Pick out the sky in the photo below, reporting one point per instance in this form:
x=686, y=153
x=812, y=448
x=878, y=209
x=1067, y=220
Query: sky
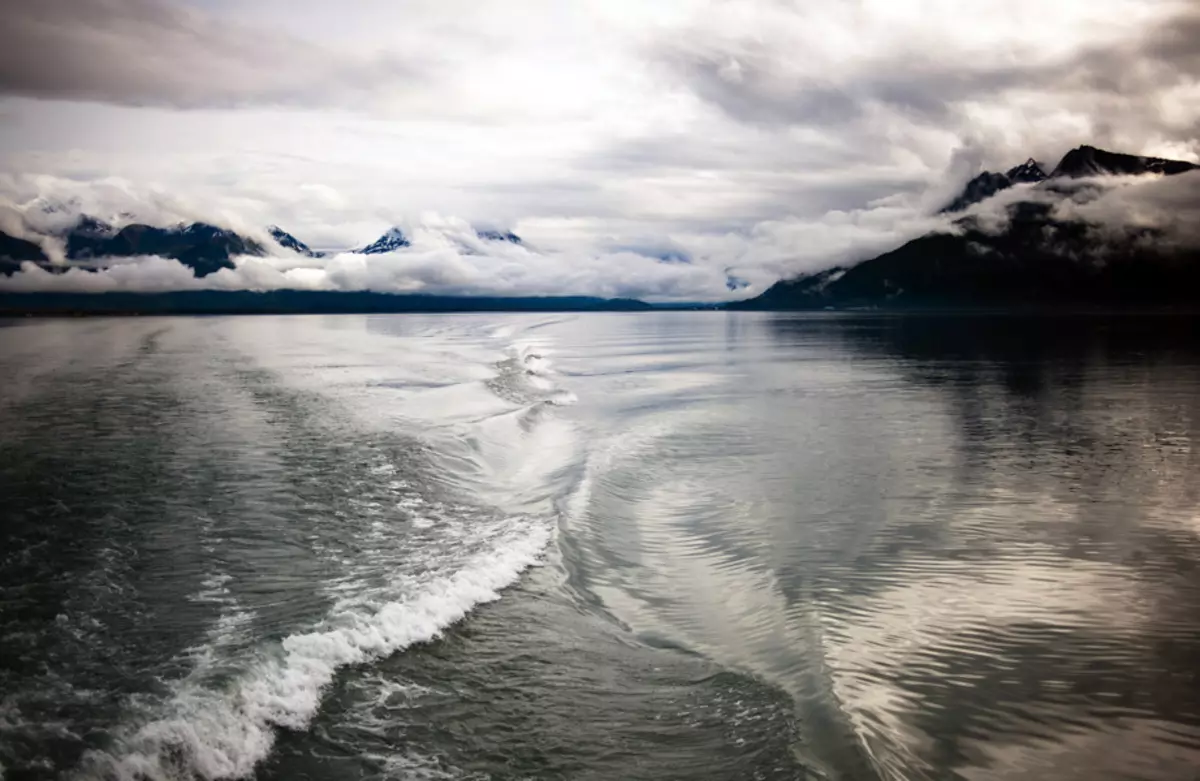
x=674, y=150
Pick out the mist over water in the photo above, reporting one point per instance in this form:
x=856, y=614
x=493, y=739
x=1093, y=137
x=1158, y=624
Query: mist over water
x=670, y=545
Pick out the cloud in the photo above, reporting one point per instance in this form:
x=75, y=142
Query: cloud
x=1023, y=78
x=447, y=256
x=138, y=275
x=755, y=139
x=438, y=271
x=1164, y=207
x=1148, y=210
x=151, y=52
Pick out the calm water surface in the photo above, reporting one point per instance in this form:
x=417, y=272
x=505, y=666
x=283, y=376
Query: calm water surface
x=620, y=546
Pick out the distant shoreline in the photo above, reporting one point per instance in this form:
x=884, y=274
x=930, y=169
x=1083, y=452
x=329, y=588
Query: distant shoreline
x=296, y=302
x=241, y=302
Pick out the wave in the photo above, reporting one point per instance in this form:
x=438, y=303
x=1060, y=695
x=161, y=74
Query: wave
x=213, y=734
x=417, y=567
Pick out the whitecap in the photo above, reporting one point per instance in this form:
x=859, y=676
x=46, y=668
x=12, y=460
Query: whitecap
x=211, y=734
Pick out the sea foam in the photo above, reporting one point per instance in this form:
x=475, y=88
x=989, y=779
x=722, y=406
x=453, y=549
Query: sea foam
x=211, y=734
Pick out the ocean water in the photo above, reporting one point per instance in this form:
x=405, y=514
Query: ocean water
x=677, y=545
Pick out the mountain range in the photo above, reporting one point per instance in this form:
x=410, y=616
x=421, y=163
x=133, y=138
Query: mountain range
x=395, y=239
x=391, y=241
x=1016, y=251
x=1036, y=259
x=205, y=248
x=288, y=241
x=202, y=247
x=988, y=184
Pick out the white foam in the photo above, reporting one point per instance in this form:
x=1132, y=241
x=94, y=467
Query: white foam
x=562, y=398
x=211, y=735
x=421, y=522
x=501, y=438
x=414, y=767
x=390, y=693
x=536, y=363
x=213, y=589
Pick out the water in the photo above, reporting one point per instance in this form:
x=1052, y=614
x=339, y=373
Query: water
x=645, y=546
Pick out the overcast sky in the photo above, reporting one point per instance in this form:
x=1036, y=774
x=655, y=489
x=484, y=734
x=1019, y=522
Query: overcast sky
x=755, y=138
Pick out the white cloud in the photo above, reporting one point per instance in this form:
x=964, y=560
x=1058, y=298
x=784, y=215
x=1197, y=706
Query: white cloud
x=154, y=52
x=755, y=137
x=1165, y=205
x=447, y=256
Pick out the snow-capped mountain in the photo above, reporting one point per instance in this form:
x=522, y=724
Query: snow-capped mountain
x=1040, y=257
x=391, y=241
x=1090, y=161
x=203, y=247
x=495, y=235
x=1084, y=161
x=989, y=183
x=288, y=241
x=93, y=227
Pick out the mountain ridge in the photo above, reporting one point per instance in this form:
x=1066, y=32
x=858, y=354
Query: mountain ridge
x=1089, y=161
x=288, y=241
x=988, y=183
x=202, y=247
x=390, y=241
x=1082, y=161
x=1036, y=257
x=1036, y=260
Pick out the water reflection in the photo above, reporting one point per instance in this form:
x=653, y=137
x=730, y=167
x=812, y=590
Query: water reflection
x=937, y=548
x=965, y=547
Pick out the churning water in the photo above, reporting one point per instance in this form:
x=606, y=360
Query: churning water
x=647, y=546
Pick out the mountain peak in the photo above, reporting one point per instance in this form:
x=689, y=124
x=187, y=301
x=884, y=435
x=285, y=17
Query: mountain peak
x=288, y=241
x=202, y=247
x=984, y=186
x=1089, y=161
x=988, y=183
x=495, y=235
x=390, y=241
x=1029, y=171
x=1083, y=161
x=92, y=226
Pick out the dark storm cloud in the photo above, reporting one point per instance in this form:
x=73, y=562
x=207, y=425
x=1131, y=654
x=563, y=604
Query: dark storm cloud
x=1166, y=55
x=751, y=84
x=147, y=52
x=1167, y=206
x=1118, y=85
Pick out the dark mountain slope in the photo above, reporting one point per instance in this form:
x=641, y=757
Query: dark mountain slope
x=202, y=247
x=13, y=251
x=391, y=241
x=1035, y=261
x=494, y=235
x=988, y=184
x=288, y=241
x=1090, y=161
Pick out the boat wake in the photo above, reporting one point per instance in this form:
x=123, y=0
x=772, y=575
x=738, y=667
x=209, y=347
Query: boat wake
x=418, y=565
x=214, y=734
